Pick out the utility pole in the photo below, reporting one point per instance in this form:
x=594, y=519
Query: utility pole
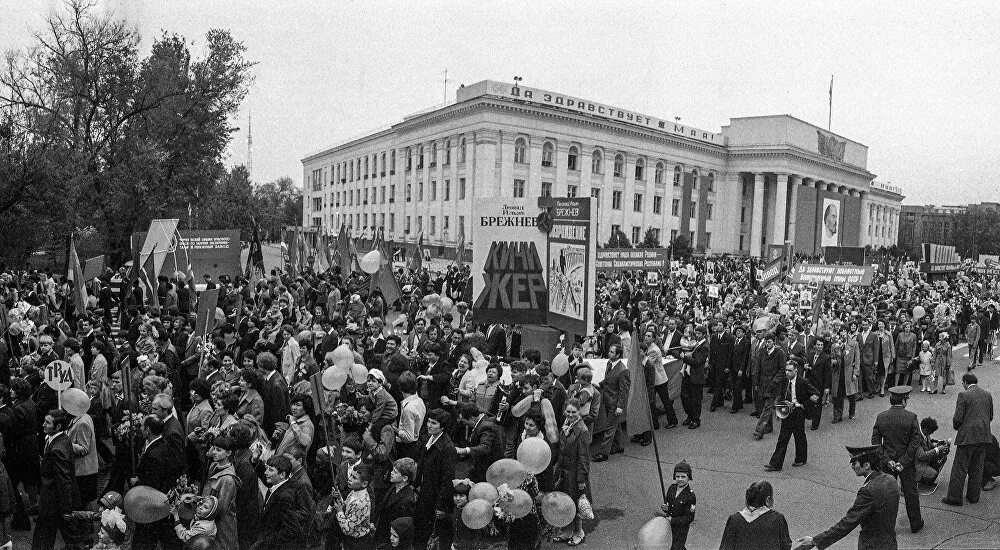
x=445, y=86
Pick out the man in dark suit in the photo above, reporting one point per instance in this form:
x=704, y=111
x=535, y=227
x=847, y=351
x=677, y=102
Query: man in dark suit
x=803, y=396
x=486, y=443
x=58, y=492
x=614, y=400
x=720, y=355
x=973, y=414
x=874, y=510
x=818, y=370
x=772, y=361
x=163, y=407
x=281, y=521
x=739, y=370
x=397, y=502
x=275, y=396
x=868, y=342
x=672, y=339
x=159, y=466
x=693, y=383
x=898, y=432
x=505, y=343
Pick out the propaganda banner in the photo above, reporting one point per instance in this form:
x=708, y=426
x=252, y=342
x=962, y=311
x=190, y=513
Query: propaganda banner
x=509, y=262
x=571, y=262
x=857, y=275
x=624, y=259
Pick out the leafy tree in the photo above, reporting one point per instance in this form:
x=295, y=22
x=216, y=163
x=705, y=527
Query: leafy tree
x=98, y=136
x=618, y=240
x=977, y=231
x=681, y=249
x=649, y=240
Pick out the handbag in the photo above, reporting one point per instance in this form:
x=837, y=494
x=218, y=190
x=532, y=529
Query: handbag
x=914, y=364
x=951, y=377
x=584, y=509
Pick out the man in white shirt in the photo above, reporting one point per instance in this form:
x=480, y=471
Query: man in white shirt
x=412, y=411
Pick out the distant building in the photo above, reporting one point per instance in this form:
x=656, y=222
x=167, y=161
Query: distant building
x=759, y=181
x=920, y=224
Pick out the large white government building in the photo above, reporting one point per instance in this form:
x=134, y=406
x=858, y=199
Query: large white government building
x=759, y=181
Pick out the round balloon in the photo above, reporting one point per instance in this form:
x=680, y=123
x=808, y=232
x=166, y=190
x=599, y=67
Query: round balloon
x=446, y=304
x=919, y=312
x=144, y=504
x=520, y=505
x=535, y=454
x=655, y=535
x=334, y=378
x=359, y=373
x=558, y=509
x=560, y=364
x=506, y=470
x=343, y=357
x=477, y=514
x=371, y=262
x=431, y=299
x=485, y=491
x=75, y=401
x=783, y=309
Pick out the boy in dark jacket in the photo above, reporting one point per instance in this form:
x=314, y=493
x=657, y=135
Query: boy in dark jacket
x=679, y=505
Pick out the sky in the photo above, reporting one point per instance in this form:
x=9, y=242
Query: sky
x=916, y=84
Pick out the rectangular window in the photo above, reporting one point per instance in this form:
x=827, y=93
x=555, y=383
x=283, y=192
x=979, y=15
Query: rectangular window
x=434, y=190
x=708, y=240
x=546, y=188
x=447, y=154
x=382, y=195
x=637, y=202
x=711, y=184
x=317, y=204
x=616, y=200
x=461, y=189
x=694, y=209
x=392, y=193
x=317, y=176
x=519, y=153
x=743, y=215
x=420, y=191
x=656, y=233
x=708, y=211
x=691, y=238
x=636, y=234
x=677, y=178
x=392, y=222
x=547, y=156
x=381, y=218
x=461, y=225
x=407, y=228
x=571, y=160
x=571, y=191
x=743, y=242
x=595, y=193
x=446, y=224
x=673, y=235
x=350, y=198
x=366, y=221
x=595, y=163
x=447, y=190
x=461, y=152
x=657, y=204
x=433, y=224
x=409, y=192
x=518, y=189
x=420, y=224
x=392, y=164
x=675, y=207
x=350, y=173
x=615, y=229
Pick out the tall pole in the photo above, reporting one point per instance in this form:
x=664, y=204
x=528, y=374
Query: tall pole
x=445, y=100
x=829, y=113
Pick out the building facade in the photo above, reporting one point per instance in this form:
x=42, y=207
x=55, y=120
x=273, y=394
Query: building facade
x=759, y=181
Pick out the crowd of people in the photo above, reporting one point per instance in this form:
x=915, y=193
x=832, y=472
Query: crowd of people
x=230, y=424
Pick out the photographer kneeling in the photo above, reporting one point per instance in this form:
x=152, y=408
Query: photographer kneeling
x=932, y=454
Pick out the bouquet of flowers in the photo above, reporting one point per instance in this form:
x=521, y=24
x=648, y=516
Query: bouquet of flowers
x=184, y=492
x=499, y=508
x=131, y=425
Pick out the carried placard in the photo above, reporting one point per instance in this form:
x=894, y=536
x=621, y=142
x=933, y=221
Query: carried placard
x=833, y=274
x=624, y=259
x=58, y=375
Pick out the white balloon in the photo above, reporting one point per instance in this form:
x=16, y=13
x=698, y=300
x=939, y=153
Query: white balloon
x=371, y=262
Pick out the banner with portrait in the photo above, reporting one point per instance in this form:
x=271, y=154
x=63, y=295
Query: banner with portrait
x=829, y=227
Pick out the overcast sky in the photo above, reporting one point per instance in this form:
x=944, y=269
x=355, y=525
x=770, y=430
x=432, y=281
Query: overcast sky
x=916, y=83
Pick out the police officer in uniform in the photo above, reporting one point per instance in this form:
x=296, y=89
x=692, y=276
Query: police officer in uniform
x=874, y=509
x=898, y=432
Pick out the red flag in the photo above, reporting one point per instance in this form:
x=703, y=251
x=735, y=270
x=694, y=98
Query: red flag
x=638, y=413
x=75, y=274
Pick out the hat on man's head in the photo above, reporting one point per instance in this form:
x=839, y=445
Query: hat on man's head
x=901, y=391
x=867, y=451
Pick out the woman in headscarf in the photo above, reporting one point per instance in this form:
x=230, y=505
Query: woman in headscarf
x=224, y=485
x=757, y=526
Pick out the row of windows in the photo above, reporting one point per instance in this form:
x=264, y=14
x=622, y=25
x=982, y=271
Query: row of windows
x=616, y=199
x=376, y=164
x=638, y=235
x=361, y=220
x=597, y=161
x=353, y=197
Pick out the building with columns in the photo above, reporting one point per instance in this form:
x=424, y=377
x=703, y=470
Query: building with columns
x=759, y=181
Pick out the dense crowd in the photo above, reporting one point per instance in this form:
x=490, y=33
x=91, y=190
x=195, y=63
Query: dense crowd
x=388, y=452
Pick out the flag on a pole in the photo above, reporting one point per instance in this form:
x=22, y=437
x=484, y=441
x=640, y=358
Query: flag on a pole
x=344, y=251
x=147, y=273
x=384, y=279
x=638, y=417
x=255, y=258
x=417, y=260
x=75, y=274
x=206, y=312
x=460, y=249
x=818, y=306
x=291, y=237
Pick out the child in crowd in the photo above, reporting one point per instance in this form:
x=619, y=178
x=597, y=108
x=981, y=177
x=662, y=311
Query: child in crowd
x=926, y=367
x=680, y=504
x=354, y=514
x=203, y=522
x=401, y=533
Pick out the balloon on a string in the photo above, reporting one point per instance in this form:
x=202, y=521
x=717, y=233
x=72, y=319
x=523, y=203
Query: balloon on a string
x=484, y=491
x=535, y=454
x=560, y=364
x=359, y=373
x=371, y=261
x=655, y=535
x=783, y=309
x=477, y=514
x=919, y=312
x=447, y=304
x=558, y=509
x=334, y=378
x=144, y=504
x=343, y=357
x=506, y=470
x=520, y=504
x=75, y=402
